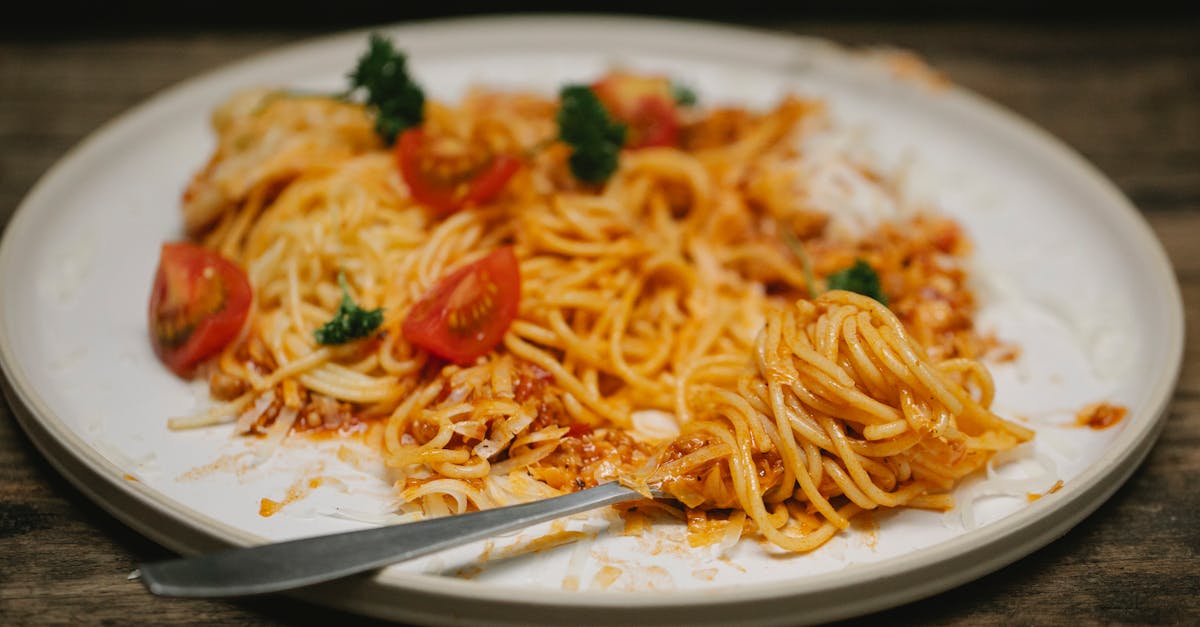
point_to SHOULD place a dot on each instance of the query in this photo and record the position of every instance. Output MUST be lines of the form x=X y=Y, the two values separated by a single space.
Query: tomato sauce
x=1100 y=415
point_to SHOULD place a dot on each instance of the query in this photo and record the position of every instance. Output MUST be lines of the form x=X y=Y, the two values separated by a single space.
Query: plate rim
x=1052 y=518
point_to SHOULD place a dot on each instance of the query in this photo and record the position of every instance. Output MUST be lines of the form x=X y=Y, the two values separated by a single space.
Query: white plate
x=1067 y=268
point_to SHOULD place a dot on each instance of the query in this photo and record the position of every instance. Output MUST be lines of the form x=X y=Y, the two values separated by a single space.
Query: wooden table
x=1126 y=96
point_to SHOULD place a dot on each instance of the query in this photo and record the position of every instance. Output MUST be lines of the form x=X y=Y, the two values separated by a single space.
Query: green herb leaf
x=350 y=322
x=595 y=138
x=684 y=96
x=860 y=278
x=383 y=74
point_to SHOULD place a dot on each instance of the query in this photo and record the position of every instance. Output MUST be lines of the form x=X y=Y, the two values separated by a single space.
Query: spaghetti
x=665 y=332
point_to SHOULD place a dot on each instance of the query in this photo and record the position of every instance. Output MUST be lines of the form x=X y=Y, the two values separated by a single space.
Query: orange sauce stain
x=354 y=428
x=298 y=490
x=129 y=477
x=705 y=574
x=551 y=541
x=367 y=432
x=870 y=528
x=658 y=548
x=635 y=521
x=548 y=541
x=488 y=547
x=1100 y=415
x=468 y=572
x=658 y=578
x=606 y=576
x=702 y=530
x=237 y=464
x=1005 y=353
x=350 y=457
x=1054 y=488
x=725 y=558
x=570 y=582
x=268 y=508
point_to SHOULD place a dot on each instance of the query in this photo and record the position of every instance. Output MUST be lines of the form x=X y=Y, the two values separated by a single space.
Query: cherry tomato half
x=447 y=174
x=467 y=313
x=645 y=104
x=198 y=304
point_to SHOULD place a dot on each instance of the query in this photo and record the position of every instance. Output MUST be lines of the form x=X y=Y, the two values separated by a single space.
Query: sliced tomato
x=653 y=123
x=645 y=104
x=467 y=313
x=447 y=174
x=198 y=304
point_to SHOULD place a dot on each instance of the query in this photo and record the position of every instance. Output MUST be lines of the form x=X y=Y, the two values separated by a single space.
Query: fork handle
x=295 y=563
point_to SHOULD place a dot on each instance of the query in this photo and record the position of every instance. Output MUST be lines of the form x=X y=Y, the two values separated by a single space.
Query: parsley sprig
x=684 y=96
x=350 y=322
x=382 y=73
x=594 y=137
x=859 y=278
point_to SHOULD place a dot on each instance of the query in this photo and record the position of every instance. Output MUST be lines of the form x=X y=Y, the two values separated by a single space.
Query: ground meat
x=225 y=387
x=590 y=459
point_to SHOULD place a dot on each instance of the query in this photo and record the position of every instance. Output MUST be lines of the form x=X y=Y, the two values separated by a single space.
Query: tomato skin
x=468 y=311
x=198 y=305
x=445 y=197
x=645 y=104
x=653 y=123
x=491 y=181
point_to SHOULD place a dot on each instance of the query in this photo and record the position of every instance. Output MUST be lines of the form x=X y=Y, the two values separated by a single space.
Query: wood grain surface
x=1126 y=96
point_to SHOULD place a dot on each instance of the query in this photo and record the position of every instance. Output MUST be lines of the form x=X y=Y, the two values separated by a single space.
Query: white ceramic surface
x=1065 y=267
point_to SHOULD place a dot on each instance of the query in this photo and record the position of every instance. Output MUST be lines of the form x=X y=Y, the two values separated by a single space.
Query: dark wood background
x=1123 y=91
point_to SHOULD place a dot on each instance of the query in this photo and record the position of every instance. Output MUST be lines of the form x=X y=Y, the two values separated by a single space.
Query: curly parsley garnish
x=595 y=138
x=860 y=278
x=398 y=101
x=350 y=322
x=683 y=95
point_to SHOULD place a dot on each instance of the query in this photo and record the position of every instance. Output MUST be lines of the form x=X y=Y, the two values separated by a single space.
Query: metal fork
x=295 y=563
